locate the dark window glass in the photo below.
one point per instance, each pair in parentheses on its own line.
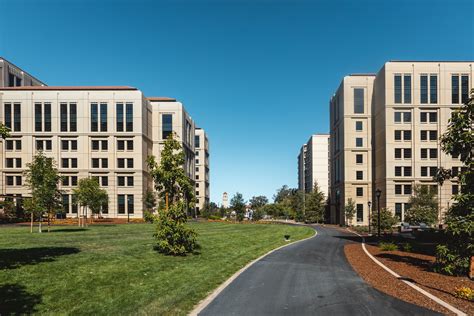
(121,162)
(130,163)
(65,203)
(74,180)
(358,100)
(407,117)
(455,171)
(398,171)
(105,145)
(73,162)
(105,163)
(398,153)
(464,89)
(120,145)
(119,111)
(95,145)
(433,171)
(359,142)
(105,181)
(433,153)
(130,181)
(424,153)
(398,189)
(455,89)
(18,144)
(167,122)
(424,171)
(74,204)
(49,144)
(359,175)
(65,162)
(17,117)
(9,162)
(39,145)
(73,117)
(359,158)
(63,114)
(38,118)
(94,118)
(433,135)
(103,117)
(10,180)
(19,180)
(398,88)
(11,80)
(65,145)
(197,140)
(407,89)
(433,117)
(423,117)
(360,212)
(121,204)
(129,144)
(129,117)
(398,117)
(47,117)
(407,172)
(121,181)
(360,191)
(424,135)
(406,135)
(407,189)
(95,162)
(423,89)
(8,115)
(74,144)
(433,89)
(9,145)
(398,135)
(407,153)
(359,125)
(130,204)
(65,181)
(398,210)
(454,189)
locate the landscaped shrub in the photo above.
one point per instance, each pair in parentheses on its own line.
(465,293)
(388,246)
(407,247)
(148,216)
(449,261)
(387,220)
(214,217)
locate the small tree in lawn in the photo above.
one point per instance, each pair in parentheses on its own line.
(89,195)
(423,206)
(387,220)
(32,207)
(453,256)
(350,211)
(315,205)
(237,203)
(172,235)
(42,178)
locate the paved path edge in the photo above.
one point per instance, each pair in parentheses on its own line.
(411,284)
(203,304)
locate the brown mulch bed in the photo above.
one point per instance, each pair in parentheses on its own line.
(409,265)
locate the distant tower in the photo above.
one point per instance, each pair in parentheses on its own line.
(225,200)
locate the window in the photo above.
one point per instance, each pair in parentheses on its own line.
(95,145)
(119,113)
(433,135)
(65,198)
(428,171)
(125,145)
(398,153)
(398,210)
(359,191)
(360,212)
(69,163)
(99,144)
(407,153)
(433,117)
(359,175)
(69,144)
(38,117)
(167,123)
(398,171)
(95,162)
(130,181)
(359,158)
(398,88)
(407,171)
(104,181)
(47,117)
(455,88)
(398,189)
(17,118)
(424,171)
(398,135)
(197,141)
(72,117)
(129,117)
(433,89)
(120,145)
(358,101)
(11,145)
(407,189)
(359,126)
(423,89)
(121,203)
(94,117)
(45,145)
(8,115)
(121,181)
(63,116)
(130,163)
(13,180)
(103,117)
(402,117)
(407,89)
(121,162)
(454,189)
(464,88)
(433,153)
(406,135)
(130,204)
(359,142)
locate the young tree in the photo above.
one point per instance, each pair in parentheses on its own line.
(453,257)
(315,206)
(90,196)
(257,202)
(150,200)
(387,220)
(172,235)
(32,207)
(237,203)
(42,178)
(349,211)
(423,206)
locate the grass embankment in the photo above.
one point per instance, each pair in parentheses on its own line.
(114,269)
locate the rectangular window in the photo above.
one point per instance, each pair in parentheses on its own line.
(105,145)
(10,180)
(359,142)
(121,203)
(167,125)
(360,212)
(398,171)
(464,88)
(433,135)
(407,153)
(423,89)
(359,158)
(433,117)
(407,189)
(359,175)
(433,89)
(73,162)
(130,181)
(130,204)
(63,116)
(359,191)
(398,117)
(197,141)
(398,135)
(9,162)
(121,181)
(424,171)
(406,117)
(358,101)
(47,117)
(433,153)
(65,163)
(66,203)
(129,117)
(105,181)
(129,144)
(64,145)
(398,189)
(398,210)
(455,89)
(423,117)
(455,171)
(95,162)
(103,117)
(9,145)
(120,145)
(94,117)
(407,171)
(65,181)
(105,162)
(398,88)
(121,163)
(119,113)
(95,145)
(454,189)
(130,163)
(73,117)
(423,135)
(8,115)
(74,181)
(424,153)
(398,153)
(38,117)
(359,126)
(17,117)
(407,89)
(406,135)
(433,171)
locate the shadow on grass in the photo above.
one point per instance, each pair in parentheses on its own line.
(68,230)
(15,258)
(15,300)
(421,263)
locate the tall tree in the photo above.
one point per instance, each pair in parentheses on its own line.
(349,211)
(315,205)
(149,200)
(257,202)
(172,235)
(458,140)
(42,178)
(237,203)
(423,206)
(89,195)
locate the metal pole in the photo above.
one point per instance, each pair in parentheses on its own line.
(369,204)
(378,216)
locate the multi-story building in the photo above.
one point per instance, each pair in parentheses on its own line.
(408,104)
(13,76)
(201,144)
(313,164)
(102,132)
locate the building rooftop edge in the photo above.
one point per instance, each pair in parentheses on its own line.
(26,72)
(162,99)
(66,88)
(431,61)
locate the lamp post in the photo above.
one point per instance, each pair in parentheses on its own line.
(369,204)
(337,206)
(128,213)
(378,193)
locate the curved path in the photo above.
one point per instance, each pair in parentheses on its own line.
(312,277)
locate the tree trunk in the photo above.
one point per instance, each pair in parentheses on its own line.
(40,222)
(49,223)
(85,217)
(31,226)
(79,217)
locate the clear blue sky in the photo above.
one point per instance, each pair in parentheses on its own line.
(257,75)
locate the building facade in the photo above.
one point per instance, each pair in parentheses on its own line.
(13,76)
(202,169)
(396,146)
(101,132)
(313,164)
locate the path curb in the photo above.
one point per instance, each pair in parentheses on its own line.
(411,284)
(203,304)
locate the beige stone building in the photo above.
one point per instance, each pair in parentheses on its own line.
(103,132)
(313,164)
(202,169)
(13,76)
(407,105)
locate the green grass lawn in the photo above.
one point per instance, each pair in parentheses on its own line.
(114,269)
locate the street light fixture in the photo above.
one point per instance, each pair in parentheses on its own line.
(378,193)
(369,204)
